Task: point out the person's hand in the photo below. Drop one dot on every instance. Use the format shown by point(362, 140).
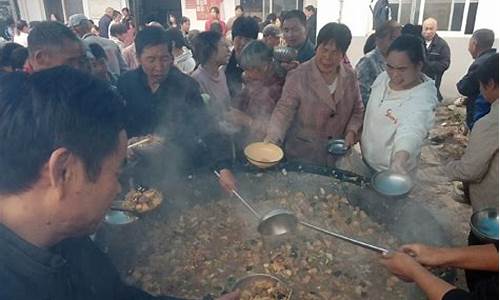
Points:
point(231, 296)
point(426, 255)
point(401, 265)
point(288, 66)
point(350, 139)
point(399, 162)
point(239, 118)
point(227, 180)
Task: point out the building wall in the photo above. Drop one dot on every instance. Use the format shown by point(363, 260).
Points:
point(31, 10)
point(227, 11)
point(357, 15)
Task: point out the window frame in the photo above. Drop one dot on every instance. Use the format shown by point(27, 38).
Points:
point(448, 33)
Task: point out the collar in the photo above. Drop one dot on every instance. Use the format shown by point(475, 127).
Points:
point(491, 50)
point(320, 87)
point(87, 35)
point(306, 46)
point(26, 256)
point(209, 75)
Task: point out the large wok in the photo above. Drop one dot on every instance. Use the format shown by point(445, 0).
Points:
point(407, 220)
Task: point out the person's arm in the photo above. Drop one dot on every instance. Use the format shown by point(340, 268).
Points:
point(482, 146)
point(366, 76)
point(481, 257)
point(414, 126)
point(353, 128)
point(285, 111)
point(405, 267)
point(469, 84)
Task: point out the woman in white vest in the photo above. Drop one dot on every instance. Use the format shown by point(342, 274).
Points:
point(400, 111)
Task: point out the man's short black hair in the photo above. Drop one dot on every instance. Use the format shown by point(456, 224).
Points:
point(151, 36)
point(239, 7)
point(6, 52)
point(55, 108)
point(21, 24)
point(97, 51)
point(488, 70)
point(339, 33)
point(50, 34)
point(245, 26)
point(184, 20)
point(205, 46)
point(484, 38)
point(18, 58)
point(118, 29)
point(296, 14)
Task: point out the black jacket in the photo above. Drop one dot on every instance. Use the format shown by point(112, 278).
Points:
point(73, 269)
point(311, 29)
point(104, 22)
point(469, 84)
point(438, 60)
point(234, 75)
point(176, 112)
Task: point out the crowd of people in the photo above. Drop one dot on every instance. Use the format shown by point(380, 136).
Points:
point(72, 94)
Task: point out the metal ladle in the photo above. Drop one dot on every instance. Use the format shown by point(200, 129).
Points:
point(281, 221)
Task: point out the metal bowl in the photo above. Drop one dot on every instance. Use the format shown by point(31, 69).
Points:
point(118, 217)
point(285, 54)
point(277, 222)
point(263, 155)
point(244, 282)
point(391, 184)
point(337, 147)
point(484, 224)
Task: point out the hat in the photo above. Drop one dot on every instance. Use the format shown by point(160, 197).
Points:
point(271, 30)
point(76, 20)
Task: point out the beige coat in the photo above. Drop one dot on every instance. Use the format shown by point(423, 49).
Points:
point(479, 165)
point(307, 115)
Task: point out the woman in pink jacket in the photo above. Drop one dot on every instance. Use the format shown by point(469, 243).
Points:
point(320, 101)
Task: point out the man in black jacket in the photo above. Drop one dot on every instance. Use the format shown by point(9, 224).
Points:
point(480, 48)
point(438, 53)
point(63, 146)
point(104, 22)
point(162, 100)
point(310, 12)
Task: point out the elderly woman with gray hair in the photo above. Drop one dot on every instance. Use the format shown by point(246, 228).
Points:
point(261, 91)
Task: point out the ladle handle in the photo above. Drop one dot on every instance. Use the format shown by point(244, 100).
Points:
point(347, 239)
point(241, 199)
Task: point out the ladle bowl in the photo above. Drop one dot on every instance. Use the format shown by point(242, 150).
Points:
point(277, 222)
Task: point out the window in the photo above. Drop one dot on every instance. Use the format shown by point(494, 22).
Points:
point(284, 5)
point(452, 15)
